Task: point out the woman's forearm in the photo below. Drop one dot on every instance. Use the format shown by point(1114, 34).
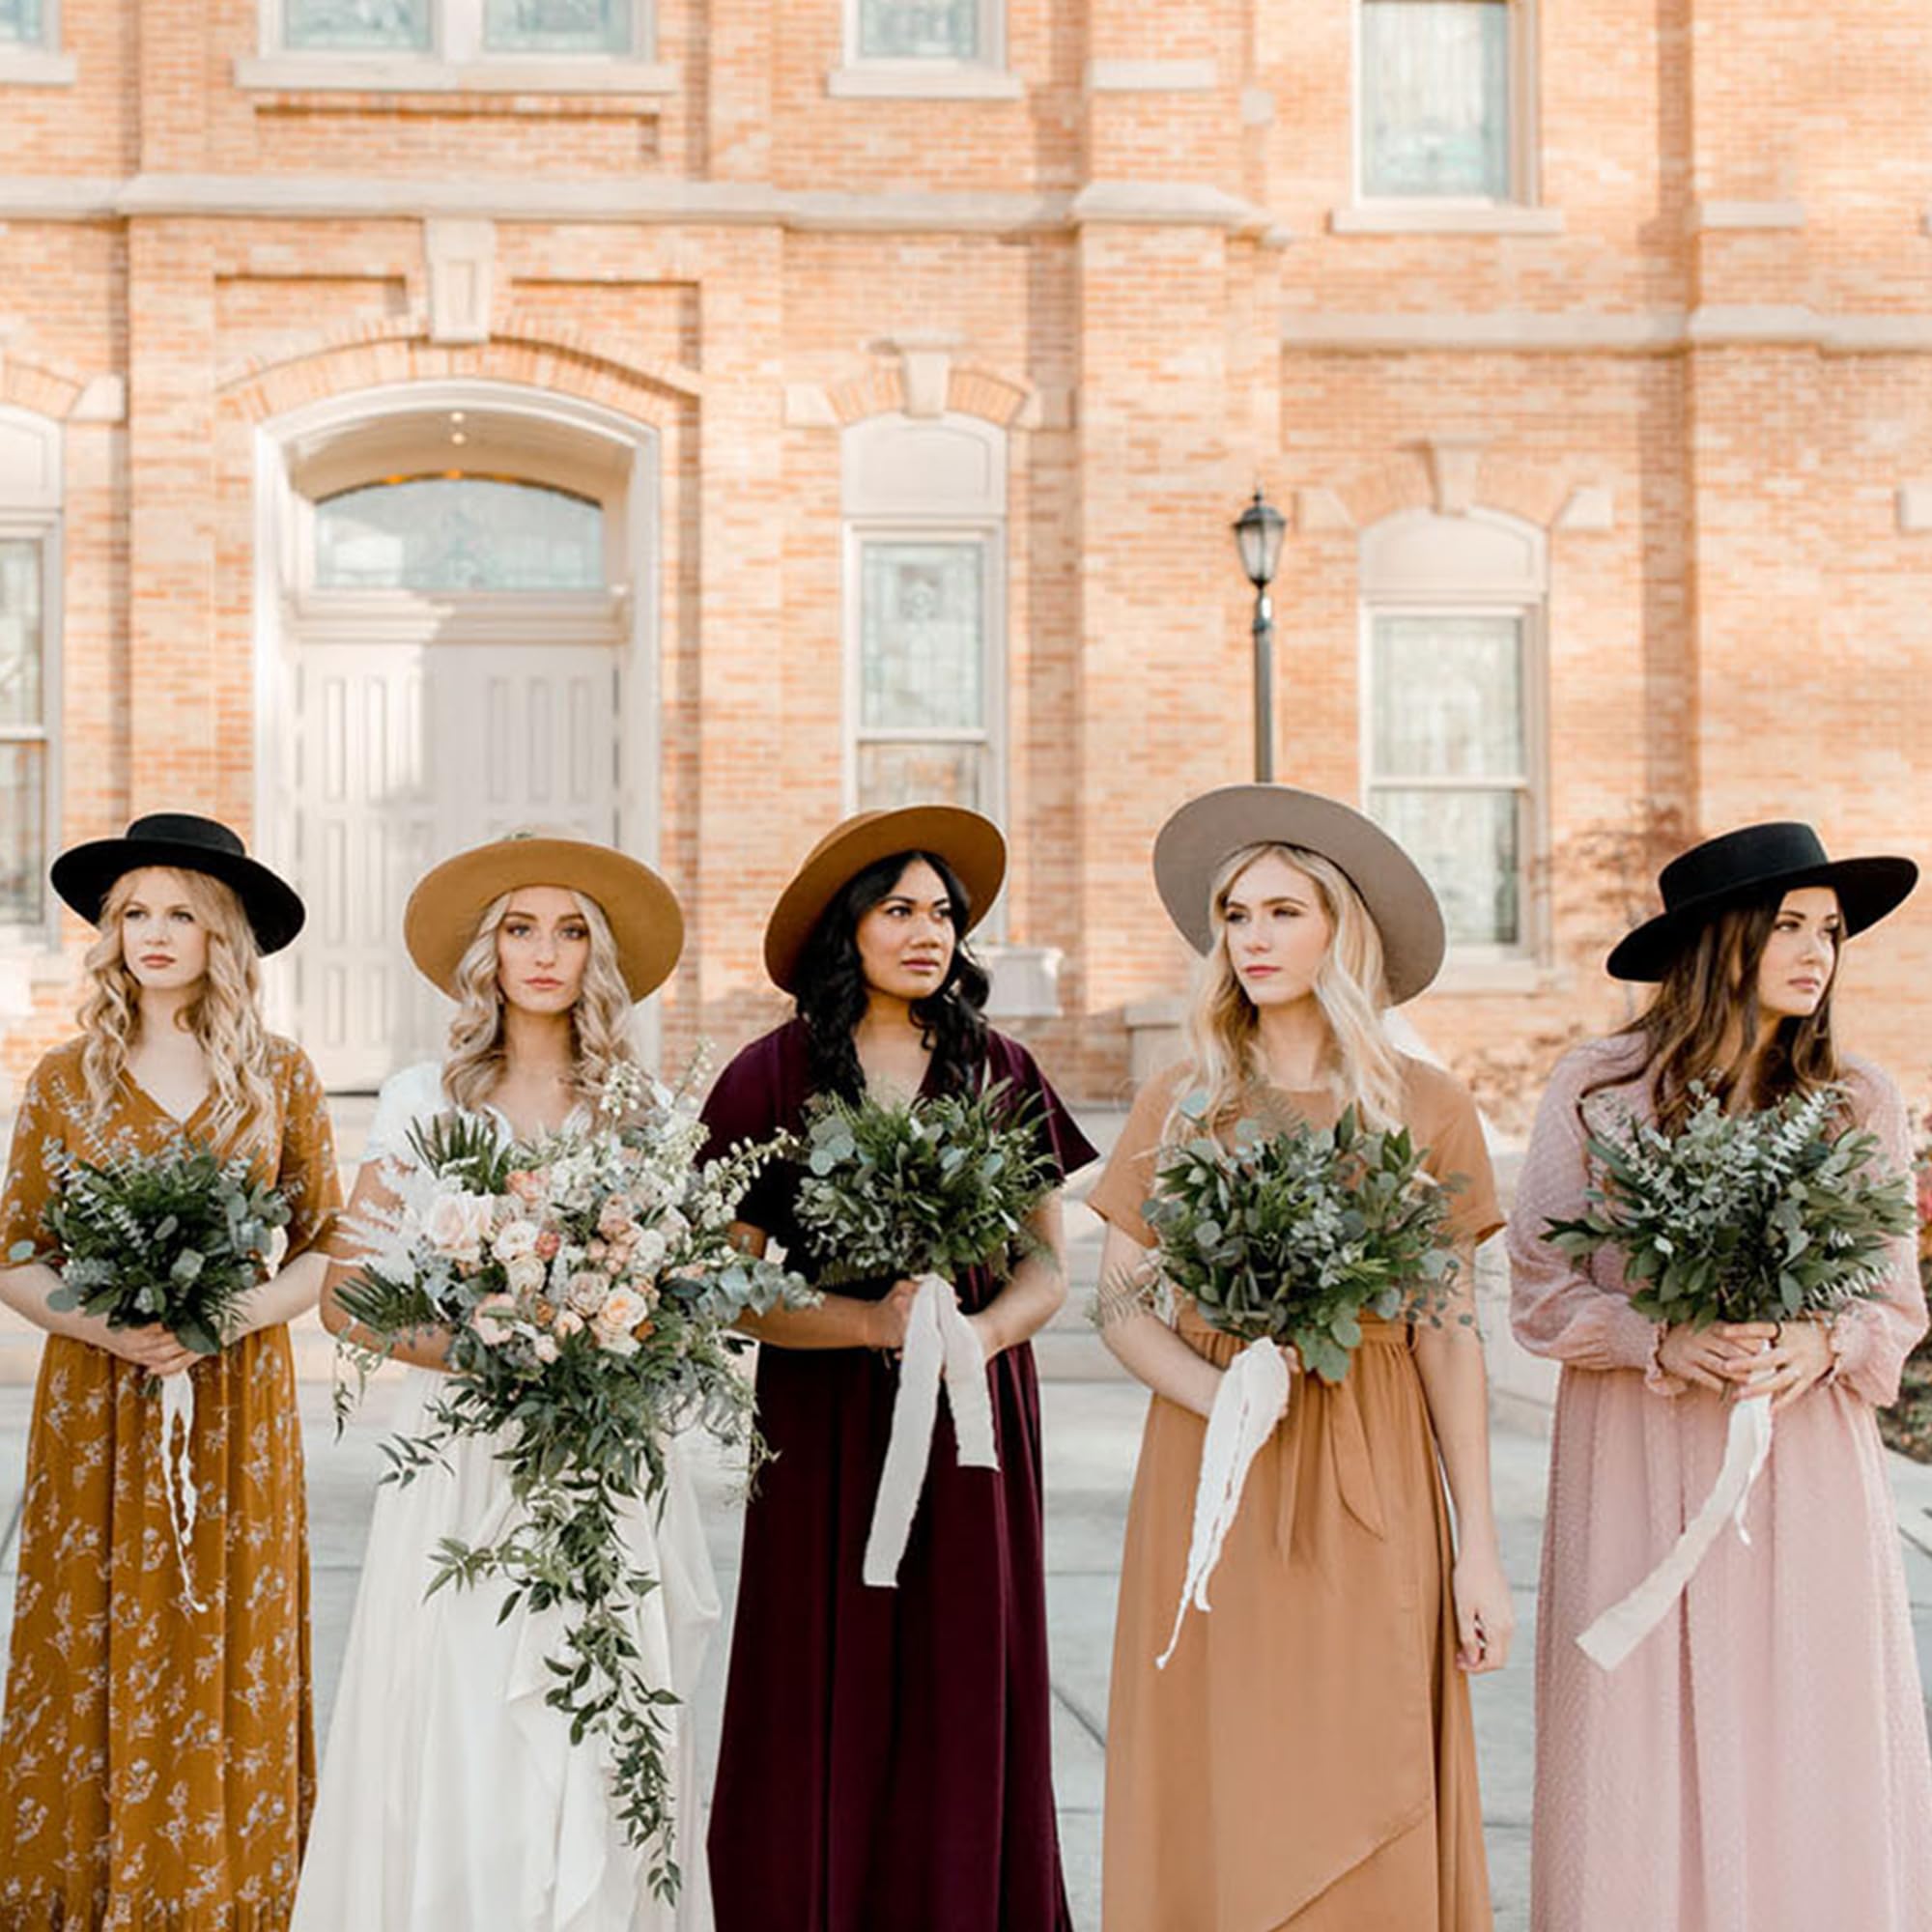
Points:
point(1036, 1290)
point(25, 1291)
point(836, 1322)
point(287, 1292)
point(1456, 1387)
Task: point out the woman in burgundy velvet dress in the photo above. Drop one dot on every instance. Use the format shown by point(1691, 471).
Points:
point(886, 1763)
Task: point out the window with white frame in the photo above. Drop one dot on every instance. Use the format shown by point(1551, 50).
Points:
point(933, 33)
point(26, 23)
point(924, 533)
point(457, 30)
point(1442, 100)
point(1452, 722)
point(30, 489)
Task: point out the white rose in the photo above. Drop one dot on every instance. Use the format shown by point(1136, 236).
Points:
point(495, 1320)
point(623, 1308)
point(648, 1250)
point(568, 1323)
point(525, 1274)
point(514, 1240)
point(545, 1350)
point(586, 1293)
point(618, 1342)
point(457, 1225)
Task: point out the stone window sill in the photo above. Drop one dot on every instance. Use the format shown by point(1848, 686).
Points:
point(1421, 217)
point(34, 67)
point(362, 73)
point(922, 80)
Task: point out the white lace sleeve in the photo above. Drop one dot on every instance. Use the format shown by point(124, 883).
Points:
point(406, 1097)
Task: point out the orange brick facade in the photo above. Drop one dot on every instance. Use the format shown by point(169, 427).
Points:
point(1700, 372)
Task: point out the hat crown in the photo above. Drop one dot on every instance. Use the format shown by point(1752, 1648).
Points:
point(1736, 859)
point(185, 828)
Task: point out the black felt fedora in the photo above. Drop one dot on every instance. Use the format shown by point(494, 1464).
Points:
point(85, 875)
point(1752, 863)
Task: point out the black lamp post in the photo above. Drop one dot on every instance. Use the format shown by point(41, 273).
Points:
point(1258, 537)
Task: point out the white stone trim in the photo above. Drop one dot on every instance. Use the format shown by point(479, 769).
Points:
point(710, 204)
point(1723, 216)
point(33, 487)
point(1151, 76)
point(924, 80)
point(426, 74)
point(1565, 331)
point(1257, 107)
point(1589, 509)
point(36, 66)
point(1444, 218)
point(461, 260)
point(102, 400)
point(1320, 510)
point(1915, 509)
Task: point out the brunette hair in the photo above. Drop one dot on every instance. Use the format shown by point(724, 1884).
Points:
point(1363, 1068)
point(1705, 1007)
point(224, 1016)
point(600, 1022)
point(831, 993)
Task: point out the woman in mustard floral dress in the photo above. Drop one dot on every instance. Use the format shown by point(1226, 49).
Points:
point(156, 1760)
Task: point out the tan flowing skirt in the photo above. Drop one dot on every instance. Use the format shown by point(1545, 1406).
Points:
point(1306, 1759)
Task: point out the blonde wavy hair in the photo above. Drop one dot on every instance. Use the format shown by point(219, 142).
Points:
point(224, 1016)
point(1363, 1068)
point(600, 1022)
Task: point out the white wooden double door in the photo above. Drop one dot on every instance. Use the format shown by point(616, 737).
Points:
point(404, 753)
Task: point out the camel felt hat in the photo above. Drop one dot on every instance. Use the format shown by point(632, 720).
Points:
point(1194, 844)
point(84, 876)
point(641, 911)
point(969, 843)
point(1756, 862)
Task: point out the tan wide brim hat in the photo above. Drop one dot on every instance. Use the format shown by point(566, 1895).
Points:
point(1194, 844)
point(972, 846)
point(643, 912)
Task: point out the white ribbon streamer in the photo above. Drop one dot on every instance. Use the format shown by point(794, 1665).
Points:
point(1624, 1626)
point(1248, 1405)
point(939, 1343)
point(178, 1467)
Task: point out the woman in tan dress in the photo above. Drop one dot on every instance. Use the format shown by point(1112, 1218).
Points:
point(1306, 1758)
point(156, 1759)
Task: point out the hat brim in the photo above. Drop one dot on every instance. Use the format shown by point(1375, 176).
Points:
point(1194, 844)
point(642, 910)
point(1867, 890)
point(970, 844)
point(85, 874)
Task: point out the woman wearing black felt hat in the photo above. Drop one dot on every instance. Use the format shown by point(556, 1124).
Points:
point(156, 1757)
point(1757, 1762)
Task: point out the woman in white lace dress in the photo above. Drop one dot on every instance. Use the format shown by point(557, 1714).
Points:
point(451, 1794)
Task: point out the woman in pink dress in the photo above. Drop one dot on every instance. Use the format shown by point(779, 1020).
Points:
point(1758, 1763)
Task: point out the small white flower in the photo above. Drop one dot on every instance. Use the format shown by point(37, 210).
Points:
point(525, 1274)
point(515, 1239)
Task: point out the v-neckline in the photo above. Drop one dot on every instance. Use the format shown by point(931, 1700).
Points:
point(182, 1122)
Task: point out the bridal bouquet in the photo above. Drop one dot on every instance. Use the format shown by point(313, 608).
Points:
point(1773, 1215)
point(175, 1237)
point(1284, 1238)
point(587, 1285)
point(920, 1192)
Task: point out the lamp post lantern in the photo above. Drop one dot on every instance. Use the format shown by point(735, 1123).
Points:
point(1257, 537)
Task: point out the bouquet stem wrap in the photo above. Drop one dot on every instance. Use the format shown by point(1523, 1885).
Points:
point(1248, 1407)
point(178, 1466)
point(1624, 1626)
point(938, 1344)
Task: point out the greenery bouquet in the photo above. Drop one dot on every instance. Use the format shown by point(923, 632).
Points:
point(920, 1192)
point(1778, 1214)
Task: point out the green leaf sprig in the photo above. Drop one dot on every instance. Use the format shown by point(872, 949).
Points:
point(1776, 1214)
point(1294, 1236)
point(933, 1185)
point(176, 1238)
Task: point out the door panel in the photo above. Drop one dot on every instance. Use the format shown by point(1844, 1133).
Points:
point(404, 753)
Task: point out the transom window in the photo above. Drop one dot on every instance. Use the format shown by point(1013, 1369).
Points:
point(459, 29)
point(24, 749)
point(1449, 761)
point(458, 533)
point(24, 23)
point(1439, 100)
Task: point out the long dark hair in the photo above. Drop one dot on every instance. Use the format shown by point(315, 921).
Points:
point(831, 987)
point(1707, 1000)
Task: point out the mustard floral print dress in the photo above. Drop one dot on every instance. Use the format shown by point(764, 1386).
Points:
point(157, 1763)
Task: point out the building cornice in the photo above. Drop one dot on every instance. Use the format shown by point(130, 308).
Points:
point(694, 203)
point(1620, 332)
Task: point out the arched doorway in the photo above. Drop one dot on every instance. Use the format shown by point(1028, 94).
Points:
point(455, 595)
